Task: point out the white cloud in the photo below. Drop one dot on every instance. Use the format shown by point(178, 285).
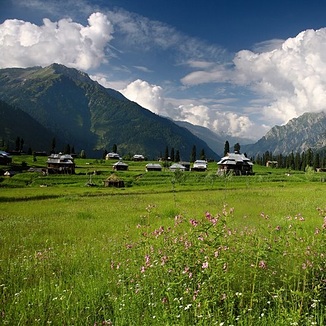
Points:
point(147, 95)
point(290, 75)
point(217, 119)
point(24, 44)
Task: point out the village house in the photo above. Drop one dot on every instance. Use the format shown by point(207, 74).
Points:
point(235, 163)
point(60, 163)
point(120, 166)
point(177, 167)
point(153, 167)
point(199, 165)
point(138, 157)
point(112, 156)
point(5, 158)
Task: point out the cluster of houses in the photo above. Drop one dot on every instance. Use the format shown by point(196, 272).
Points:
point(235, 163)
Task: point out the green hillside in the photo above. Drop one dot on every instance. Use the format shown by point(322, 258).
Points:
point(88, 116)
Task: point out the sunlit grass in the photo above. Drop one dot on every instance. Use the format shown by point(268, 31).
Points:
point(77, 255)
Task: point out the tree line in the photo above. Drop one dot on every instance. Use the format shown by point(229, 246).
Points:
point(294, 161)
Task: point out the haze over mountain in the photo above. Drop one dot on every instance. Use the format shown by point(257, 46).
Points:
point(213, 140)
point(84, 114)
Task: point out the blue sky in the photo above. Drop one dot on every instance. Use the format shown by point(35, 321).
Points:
point(236, 67)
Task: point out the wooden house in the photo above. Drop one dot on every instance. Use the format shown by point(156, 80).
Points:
point(112, 156)
point(61, 164)
point(5, 158)
point(199, 165)
point(177, 167)
point(138, 157)
point(235, 163)
point(153, 167)
point(120, 166)
point(114, 181)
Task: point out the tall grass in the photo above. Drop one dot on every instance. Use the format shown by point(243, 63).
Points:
point(237, 251)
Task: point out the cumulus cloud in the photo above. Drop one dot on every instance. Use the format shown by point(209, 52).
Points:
point(24, 44)
point(216, 119)
point(290, 75)
point(147, 95)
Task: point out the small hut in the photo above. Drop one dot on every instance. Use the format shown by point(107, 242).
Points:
point(120, 166)
point(177, 167)
point(153, 167)
point(114, 181)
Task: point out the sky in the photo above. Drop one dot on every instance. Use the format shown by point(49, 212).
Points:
point(236, 67)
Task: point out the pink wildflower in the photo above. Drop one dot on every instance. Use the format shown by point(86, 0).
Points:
point(142, 270)
point(147, 260)
point(278, 228)
point(205, 265)
point(193, 222)
point(262, 264)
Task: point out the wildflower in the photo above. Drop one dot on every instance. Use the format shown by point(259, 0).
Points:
point(147, 260)
point(142, 270)
point(205, 265)
point(278, 228)
point(185, 271)
point(188, 306)
point(262, 264)
point(164, 300)
point(193, 222)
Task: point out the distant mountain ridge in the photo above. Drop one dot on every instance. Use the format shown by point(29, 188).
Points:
point(215, 141)
point(80, 112)
point(298, 135)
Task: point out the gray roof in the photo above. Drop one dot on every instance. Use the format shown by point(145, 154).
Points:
point(234, 158)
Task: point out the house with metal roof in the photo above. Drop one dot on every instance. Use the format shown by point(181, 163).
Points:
point(153, 167)
point(5, 158)
point(199, 165)
point(177, 167)
point(60, 163)
point(120, 166)
point(235, 163)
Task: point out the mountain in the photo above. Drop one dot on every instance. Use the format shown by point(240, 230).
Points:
point(86, 115)
point(16, 123)
point(299, 134)
point(213, 140)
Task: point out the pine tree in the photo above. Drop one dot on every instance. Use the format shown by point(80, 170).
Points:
point(177, 156)
point(237, 148)
point(172, 154)
point(166, 154)
point(202, 154)
point(226, 148)
point(193, 154)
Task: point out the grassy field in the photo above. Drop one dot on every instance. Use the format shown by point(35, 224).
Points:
point(168, 249)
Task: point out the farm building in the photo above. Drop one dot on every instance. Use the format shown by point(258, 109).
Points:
point(59, 163)
point(120, 166)
point(199, 165)
point(235, 163)
point(112, 156)
point(138, 157)
point(177, 166)
point(186, 165)
point(5, 158)
point(114, 181)
point(153, 167)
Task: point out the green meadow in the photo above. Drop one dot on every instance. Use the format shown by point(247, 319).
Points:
point(170, 248)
